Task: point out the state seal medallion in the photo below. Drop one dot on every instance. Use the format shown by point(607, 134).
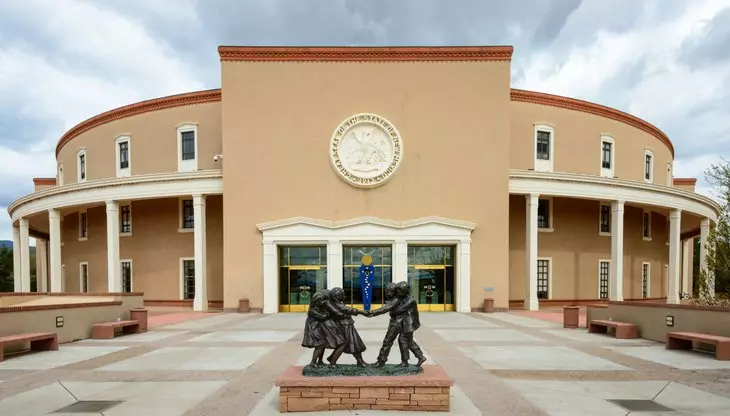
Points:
point(366, 150)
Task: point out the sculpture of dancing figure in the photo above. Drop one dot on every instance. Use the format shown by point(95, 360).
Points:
point(343, 314)
point(404, 321)
point(321, 331)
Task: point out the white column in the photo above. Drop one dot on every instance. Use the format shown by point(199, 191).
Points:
point(271, 278)
point(704, 235)
point(400, 261)
point(463, 281)
point(675, 221)
point(334, 264)
point(200, 302)
point(616, 280)
point(17, 283)
point(42, 274)
point(114, 282)
point(531, 302)
point(54, 221)
point(24, 255)
point(686, 264)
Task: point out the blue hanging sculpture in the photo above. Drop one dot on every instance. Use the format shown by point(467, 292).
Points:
point(367, 273)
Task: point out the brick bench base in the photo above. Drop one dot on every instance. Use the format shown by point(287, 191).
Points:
point(684, 341)
point(428, 391)
point(624, 330)
point(106, 330)
point(42, 341)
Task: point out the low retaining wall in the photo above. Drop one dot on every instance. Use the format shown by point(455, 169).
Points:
point(72, 320)
point(656, 319)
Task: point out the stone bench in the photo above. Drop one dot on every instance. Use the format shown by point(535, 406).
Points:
point(106, 330)
point(624, 330)
point(684, 340)
point(45, 341)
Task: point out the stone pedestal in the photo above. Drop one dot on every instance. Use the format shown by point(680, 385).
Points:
point(571, 316)
point(139, 314)
point(428, 391)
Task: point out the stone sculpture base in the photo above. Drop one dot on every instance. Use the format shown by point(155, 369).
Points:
point(348, 370)
point(428, 391)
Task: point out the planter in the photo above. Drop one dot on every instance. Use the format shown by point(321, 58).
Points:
point(488, 305)
point(243, 305)
point(571, 316)
point(139, 314)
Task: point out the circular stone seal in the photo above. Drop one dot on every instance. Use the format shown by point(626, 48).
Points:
point(366, 150)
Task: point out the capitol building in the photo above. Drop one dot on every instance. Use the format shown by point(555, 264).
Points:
point(312, 164)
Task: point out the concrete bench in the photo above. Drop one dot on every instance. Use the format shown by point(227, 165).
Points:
point(39, 341)
point(106, 330)
point(684, 340)
point(624, 330)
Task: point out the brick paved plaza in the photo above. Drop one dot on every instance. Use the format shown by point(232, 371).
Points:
point(225, 364)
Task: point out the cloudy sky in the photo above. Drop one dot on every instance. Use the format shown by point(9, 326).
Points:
point(62, 61)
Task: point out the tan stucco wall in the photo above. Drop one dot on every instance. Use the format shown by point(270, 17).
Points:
point(651, 319)
point(575, 248)
point(578, 142)
point(155, 248)
point(153, 143)
point(278, 119)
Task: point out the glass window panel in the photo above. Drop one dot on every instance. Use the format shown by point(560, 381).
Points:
point(188, 145)
point(306, 256)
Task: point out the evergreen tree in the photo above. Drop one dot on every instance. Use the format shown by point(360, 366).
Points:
point(6, 270)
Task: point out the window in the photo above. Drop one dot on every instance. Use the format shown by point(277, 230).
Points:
point(84, 277)
point(648, 166)
point(187, 147)
point(544, 147)
point(83, 225)
point(605, 220)
point(188, 278)
point(126, 275)
point(607, 157)
point(125, 220)
point(645, 279)
point(187, 215)
point(81, 165)
point(543, 279)
point(646, 225)
point(544, 214)
point(124, 152)
point(604, 267)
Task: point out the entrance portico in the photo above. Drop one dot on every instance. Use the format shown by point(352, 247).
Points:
point(398, 236)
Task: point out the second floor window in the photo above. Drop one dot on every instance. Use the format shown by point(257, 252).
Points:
point(123, 155)
point(543, 145)
point(188, 145)
point(188, 215)
point(82, 166)
point(648, 166)
point(606, 158)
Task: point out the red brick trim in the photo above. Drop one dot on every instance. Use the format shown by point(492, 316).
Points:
point(44, 181)
point(180, 303)
point(93, 294)
point(518, 303)
point(673, 306)
point(179, 100)
point(365, 54)
point(590, 108)
point(60, 306)
point(685, 181)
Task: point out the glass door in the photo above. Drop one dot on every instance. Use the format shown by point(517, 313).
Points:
point(431, 276)
point(302, 271)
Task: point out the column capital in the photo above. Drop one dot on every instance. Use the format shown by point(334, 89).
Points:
point(705, 223)
point(23, 223)
point(675, 214)
point(111, 205)
point(617, 205)
point(532, 198)
point(198, 199)
point(54, 213)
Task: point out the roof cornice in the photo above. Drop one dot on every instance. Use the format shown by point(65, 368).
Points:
point(365, 54)
point(590, 108)
point(178, 100)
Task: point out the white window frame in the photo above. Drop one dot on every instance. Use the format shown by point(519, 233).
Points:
point(551, 217)
point(540, 165)
point(600, 207)
point(131, 226)
point(126, 172)
point(182, 275)
point(187, 165)
point(599, 278)
point(79, 153)
point(59, 174)
point(646, 212)
point(78, 232)
point(81, 276)
point(648, 152)
point(648, 279)
point(131, 274)
point(180, 217)
point(608, 173)
point(550, 276)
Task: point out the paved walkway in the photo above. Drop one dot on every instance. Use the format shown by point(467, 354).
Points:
point(225, 364)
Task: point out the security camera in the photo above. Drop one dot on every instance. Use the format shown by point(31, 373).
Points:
point(217, 158)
